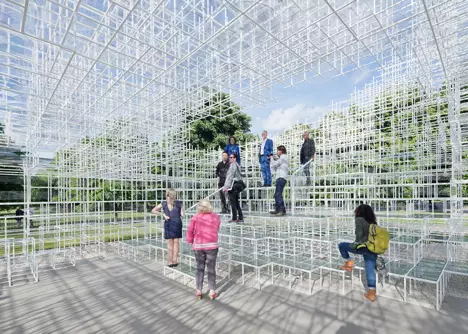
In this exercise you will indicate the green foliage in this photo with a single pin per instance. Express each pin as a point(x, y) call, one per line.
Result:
point(225, 118)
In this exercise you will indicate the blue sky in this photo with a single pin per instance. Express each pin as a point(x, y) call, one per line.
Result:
point(306, 101)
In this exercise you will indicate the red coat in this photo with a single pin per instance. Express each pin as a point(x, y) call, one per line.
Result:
point(203, 230)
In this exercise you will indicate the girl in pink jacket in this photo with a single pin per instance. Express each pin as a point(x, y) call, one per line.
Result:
point(202, 234)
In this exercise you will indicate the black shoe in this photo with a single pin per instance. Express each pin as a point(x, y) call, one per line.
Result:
point(240, 221)
point(170, 265)
point(175, 265)
point(273, 212)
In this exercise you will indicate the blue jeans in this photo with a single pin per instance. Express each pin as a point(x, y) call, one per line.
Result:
point(279, 202)
point(369, 261)
point(266, 171)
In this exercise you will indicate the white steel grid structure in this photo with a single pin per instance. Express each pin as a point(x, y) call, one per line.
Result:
point(108, 89)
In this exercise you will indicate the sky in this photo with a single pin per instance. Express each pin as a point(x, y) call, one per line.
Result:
point(305, 102)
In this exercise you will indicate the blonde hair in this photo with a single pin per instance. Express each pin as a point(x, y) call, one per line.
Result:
point(204, 206)
point(171, 193)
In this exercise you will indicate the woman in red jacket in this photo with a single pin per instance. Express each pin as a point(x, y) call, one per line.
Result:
point(202, 234)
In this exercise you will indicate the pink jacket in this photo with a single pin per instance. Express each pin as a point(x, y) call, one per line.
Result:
point(202, 231)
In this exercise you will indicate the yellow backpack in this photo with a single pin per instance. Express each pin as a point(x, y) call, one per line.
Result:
point(378, 240)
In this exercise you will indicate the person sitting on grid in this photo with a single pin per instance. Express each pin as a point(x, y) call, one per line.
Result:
point(280, 166)
point(221, 171)
point(307, 154)
point(265, 154)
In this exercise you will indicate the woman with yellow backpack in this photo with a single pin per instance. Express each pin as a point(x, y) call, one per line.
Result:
point(370, 241)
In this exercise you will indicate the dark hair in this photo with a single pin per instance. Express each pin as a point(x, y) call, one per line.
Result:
point(282, 149)
point(234, 155)
point(235, 141)
point(226, 152)
point(366, 212)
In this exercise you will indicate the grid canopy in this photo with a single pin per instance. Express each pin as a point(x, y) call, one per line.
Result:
point(69, 67)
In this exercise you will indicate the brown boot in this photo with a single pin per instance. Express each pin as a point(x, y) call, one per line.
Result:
point(348, 266)
point(370, 295)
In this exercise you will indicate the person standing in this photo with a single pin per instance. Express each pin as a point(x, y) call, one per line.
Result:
point(232, 147)
point(221, 171)
point(202, 234)
point(265, 154)
point(19, 214)
point(307, 154)
point(234, 186)
point(364, 217)
point(173, 212)
point(280, 166)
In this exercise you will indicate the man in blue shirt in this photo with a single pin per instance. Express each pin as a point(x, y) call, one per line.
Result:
point(265, 154)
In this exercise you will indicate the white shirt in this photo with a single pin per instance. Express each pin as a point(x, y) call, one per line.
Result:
point(281, 166)
point(262, 147)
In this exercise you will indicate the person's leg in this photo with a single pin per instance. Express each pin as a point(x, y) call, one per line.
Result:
point(211, 256)
point(267, 172)
point(307, 174)
point(222, 196)
point(282, 184)
point(263, 168)
point(170, 247)
point(232, 200)
point(175, 252)
point(345, 249)
point(239, 208)
point(200, 257)
point(276, 196)
point(369, 263)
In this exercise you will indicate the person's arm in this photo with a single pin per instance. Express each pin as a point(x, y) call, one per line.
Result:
point(182, 211)
point(218, 221)
point(274, 164)
point(217, 170)
point(229, 176)
point(359, 231)
point(270, 147)
point(312, 149)
point(157, 210)
point(189, 235)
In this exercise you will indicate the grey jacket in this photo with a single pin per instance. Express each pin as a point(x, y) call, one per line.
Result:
point(361, 230)
point(233, 175)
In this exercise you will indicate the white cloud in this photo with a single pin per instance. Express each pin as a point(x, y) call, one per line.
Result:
point(280, 119)
point(361, 76)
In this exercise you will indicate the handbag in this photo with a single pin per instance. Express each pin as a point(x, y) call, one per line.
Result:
point(240, 185)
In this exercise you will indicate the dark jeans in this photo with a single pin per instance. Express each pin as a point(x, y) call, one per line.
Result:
point(369, 261)
point(222, 197)
point(234, 195)
point(206, 258)
point(307, 172)
point(279, 202)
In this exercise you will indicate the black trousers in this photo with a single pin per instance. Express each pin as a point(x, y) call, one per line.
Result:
point(222, 197)
point(234, 196)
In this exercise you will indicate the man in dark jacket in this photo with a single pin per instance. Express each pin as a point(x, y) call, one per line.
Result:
point(19, 216)
point(307, 154)
point(221, 171)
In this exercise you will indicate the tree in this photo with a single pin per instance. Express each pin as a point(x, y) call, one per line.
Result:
point(224, 119)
